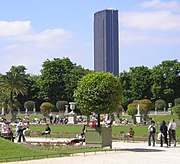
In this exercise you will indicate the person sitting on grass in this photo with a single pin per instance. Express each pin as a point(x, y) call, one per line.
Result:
point(130, 134)
point(47, 130)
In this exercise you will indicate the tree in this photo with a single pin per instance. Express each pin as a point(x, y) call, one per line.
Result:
point(29, 105)
point(125, 79)
point(145, 106)
point(58, 80)
point(60, 105)
point(177, 101)
point(98, 92)
point(136, 84)
point(140, 82)
point(14, 84)
point(160, 104)
point(176, 110)
point(132, 109)
point(165, 78)
point(46, 108)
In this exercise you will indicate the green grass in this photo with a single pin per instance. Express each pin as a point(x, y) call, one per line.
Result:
point(167, 118)
point(15, 152)
point(9, 149)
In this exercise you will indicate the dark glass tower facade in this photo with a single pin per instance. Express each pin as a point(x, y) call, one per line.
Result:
point(106, 43)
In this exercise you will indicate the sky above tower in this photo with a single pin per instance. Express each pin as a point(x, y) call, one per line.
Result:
point(36, 30)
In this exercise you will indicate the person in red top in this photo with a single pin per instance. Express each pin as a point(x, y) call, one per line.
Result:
point(93, 124)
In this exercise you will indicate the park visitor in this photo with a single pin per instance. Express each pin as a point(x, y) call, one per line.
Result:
point(164, 130)
point(19, 129)
point(152, 132)
point(47, 130)
point(172, 132)
point(4, 126)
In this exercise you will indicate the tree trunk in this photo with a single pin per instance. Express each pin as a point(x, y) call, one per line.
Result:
point(98, 119)
point(11, 103)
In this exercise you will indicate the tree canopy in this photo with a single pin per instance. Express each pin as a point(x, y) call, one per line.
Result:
point(98, 92)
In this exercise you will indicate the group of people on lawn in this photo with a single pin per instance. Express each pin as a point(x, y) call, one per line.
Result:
point(21, 130)
point(167, 132)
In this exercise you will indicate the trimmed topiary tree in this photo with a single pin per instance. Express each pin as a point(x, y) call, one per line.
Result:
point(132, 110)
point(60, 105)
point(145, 106)
point(177, 101)
point(98, 92)
point(160, 104)
point(29, 105)
point(176, 110)
point(46, 108)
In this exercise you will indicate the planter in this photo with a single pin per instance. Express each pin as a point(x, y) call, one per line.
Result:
point(98, 137)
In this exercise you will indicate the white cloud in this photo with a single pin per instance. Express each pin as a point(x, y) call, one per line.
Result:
point(130, 37)
point(157, 20)
point(25, 47)
point(160, 5)
point(159, 23)
point(15, 28)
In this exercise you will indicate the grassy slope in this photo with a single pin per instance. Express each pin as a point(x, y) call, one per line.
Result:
point(10, 149)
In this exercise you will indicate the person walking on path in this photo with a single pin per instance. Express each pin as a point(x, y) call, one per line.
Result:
point(164, 130)
point(172, 132)
point(20, 128)
point(152, 132)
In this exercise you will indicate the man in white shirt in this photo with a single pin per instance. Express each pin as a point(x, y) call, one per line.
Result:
point(172, 132)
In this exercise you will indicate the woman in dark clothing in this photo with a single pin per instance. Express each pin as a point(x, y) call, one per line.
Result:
point(163, 130)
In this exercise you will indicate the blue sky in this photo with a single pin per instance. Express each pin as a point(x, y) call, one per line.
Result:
point(32, 31)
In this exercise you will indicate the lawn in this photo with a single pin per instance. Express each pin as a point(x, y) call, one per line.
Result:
point(13, 152)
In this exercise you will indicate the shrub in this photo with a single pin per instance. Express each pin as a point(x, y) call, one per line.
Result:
point(160, 104)
point(46, 108)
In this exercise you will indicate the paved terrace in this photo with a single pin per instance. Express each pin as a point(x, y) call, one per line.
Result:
point(126, 153)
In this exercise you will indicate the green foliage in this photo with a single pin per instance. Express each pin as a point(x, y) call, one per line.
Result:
point(160, 104)
point(176, 110)
point(98, 92)
point(13, 83)
point(145, 106)
point(136, 84)
point(59, 79)
point(46, 108)
point(132, 109)
point(60, 105)
point(30, 105)
point(177, 101)
point(166, 81)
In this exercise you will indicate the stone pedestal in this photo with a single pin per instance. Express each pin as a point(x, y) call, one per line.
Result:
point(72, 118)
point(138, 115)
point(138, 119)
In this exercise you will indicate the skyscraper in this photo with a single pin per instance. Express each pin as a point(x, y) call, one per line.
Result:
point(106, 44)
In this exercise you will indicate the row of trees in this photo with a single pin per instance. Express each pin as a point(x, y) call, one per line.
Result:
point(160, 82)
point(57, 81)
point(59, 78)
